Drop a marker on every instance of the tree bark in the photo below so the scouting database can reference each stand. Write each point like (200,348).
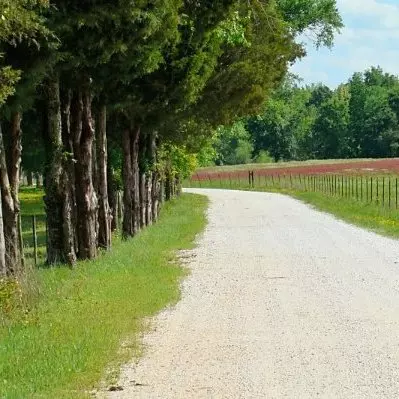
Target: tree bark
(155,194)
(148,196)
(151,185)
(3,268)
(136,173)
(177,186)
(29,177)
(169,181)
(128,182)
(112,198)
(9,179)
(143,166)
(142,193)
(59,199)
(86,198)
(131,197)
(104,211)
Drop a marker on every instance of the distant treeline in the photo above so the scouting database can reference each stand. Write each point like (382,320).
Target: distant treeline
(359,119)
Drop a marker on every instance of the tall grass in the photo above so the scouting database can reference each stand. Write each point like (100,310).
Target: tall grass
(87,319)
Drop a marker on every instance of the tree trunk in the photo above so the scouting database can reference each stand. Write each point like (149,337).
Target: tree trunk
(155,194)
(128,182)
(162,195)
(136,175)
(3,268)
(150,186)
(29,177)
(142,192)
(143,166)
(86,198)
(169,182)
(148,204)
(131,198)
(59,199)
(178,186)
(37,179)
(9,179)
(112,198)
(104,211)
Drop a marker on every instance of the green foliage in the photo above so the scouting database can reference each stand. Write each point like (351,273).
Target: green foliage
(233,145)
(357,119)
(8,79)
(284,126)
(320,18)
(264,157)
(21,26)
(207,154)
(176,161)
(330,130)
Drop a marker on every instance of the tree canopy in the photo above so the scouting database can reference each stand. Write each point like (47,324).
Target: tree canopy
(124,93)
(357,119)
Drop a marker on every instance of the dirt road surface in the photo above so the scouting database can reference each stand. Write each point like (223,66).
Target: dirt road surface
(282,302)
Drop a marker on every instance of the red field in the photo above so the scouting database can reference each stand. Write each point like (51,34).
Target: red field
(383,166)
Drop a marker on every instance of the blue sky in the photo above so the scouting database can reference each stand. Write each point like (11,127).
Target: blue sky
(370,38)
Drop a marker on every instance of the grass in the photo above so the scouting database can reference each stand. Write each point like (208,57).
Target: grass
(31,201)
(61,347)
(374,215)
(379,219)
(32,205)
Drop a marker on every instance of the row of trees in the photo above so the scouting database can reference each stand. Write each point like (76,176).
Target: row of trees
(359,119)
(101,86)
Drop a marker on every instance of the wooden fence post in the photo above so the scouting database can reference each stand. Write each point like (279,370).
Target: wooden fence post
(396,192)
(378,191)
(383,191)
(343,186)
(361,188)
(371,190)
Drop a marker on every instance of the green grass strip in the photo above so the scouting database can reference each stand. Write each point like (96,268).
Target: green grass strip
(374,217)
(90,319)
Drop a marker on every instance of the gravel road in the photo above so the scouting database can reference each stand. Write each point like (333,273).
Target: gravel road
(282,302)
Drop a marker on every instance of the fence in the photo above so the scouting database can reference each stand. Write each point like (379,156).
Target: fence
(380,190)
(33,233)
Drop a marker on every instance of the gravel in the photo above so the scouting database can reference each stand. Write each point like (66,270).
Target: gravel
(282,302)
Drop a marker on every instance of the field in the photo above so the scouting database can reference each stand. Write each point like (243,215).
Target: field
(355,166)
(364,192)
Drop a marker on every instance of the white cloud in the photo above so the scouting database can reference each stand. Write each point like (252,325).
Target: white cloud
(370,38)
(382,13)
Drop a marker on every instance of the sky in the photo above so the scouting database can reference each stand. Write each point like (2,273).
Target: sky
(370,38)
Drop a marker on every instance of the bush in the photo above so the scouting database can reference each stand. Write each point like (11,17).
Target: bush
(264,157)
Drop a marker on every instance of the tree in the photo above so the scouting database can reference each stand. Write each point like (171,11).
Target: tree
(330,130)
(233,145)
(320,19)
(92,64)
(21,30)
